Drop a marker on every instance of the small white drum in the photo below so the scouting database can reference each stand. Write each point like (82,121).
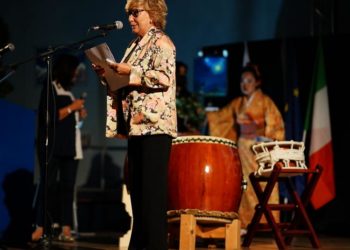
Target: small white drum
(289,153)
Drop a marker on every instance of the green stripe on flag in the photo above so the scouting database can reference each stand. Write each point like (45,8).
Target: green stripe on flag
(318,82)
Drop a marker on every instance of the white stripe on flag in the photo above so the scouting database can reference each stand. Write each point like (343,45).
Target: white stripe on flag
(321,127)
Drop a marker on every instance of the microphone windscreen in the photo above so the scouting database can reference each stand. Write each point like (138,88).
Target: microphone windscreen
(118,25)
(11,46)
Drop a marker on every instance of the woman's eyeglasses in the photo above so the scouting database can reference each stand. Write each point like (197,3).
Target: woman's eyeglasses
(246,80)
(134,12)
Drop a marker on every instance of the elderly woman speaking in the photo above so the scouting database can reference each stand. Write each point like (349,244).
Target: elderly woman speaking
(145,112)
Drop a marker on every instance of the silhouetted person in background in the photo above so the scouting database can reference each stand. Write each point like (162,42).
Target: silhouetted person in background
(190,112)
(64,149)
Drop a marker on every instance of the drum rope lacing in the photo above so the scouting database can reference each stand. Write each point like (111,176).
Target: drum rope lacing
(208,139)
(289,153)
(203,215)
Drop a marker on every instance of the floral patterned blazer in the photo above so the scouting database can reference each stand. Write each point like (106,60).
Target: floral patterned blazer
(147,106)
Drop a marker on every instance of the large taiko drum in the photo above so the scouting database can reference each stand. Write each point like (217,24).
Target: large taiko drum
(205,173)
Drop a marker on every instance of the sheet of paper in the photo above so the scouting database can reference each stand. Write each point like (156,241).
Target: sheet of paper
(98,55)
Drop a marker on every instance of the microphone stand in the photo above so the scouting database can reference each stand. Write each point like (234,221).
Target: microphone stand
(8,74)
(45,242)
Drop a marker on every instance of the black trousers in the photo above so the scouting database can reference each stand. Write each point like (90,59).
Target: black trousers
(61,178)
(148,158)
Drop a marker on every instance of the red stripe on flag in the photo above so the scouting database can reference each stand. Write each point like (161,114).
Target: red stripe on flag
(325,188)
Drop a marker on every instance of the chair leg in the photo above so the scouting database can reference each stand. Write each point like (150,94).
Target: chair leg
(301,217)
(187,232)
(233,236)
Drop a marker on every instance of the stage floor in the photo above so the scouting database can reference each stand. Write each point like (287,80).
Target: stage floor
(94,242)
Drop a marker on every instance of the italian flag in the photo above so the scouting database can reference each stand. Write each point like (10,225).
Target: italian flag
(321,152)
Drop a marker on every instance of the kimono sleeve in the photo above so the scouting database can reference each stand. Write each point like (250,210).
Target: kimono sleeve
(221,123)
(274,122)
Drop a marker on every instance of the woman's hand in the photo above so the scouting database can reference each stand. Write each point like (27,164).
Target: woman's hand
(78,104)
(120,68)
(98,69)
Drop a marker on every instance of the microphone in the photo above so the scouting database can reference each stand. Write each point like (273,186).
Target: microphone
(81,122)
(116,25)
(8,47)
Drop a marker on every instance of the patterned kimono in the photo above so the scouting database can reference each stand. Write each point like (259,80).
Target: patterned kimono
(247,121)
(148,105)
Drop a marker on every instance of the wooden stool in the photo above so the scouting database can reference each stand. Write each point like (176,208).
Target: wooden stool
(300,223)
(189,224)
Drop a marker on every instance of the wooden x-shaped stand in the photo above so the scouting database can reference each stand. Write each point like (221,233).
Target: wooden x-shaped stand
(300,223)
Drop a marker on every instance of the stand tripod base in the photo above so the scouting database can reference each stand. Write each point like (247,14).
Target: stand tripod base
(44,243)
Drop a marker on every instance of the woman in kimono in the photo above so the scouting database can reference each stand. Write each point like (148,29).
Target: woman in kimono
(248,119)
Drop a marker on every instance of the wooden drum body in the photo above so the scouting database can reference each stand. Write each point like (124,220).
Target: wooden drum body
(205,173)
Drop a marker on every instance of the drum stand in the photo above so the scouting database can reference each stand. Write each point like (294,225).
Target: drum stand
(189,225)
(300,223)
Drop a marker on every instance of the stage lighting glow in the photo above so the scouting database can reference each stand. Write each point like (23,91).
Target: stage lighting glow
(210,76)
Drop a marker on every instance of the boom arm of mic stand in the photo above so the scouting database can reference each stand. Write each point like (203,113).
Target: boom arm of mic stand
(10,73)
(83,42)
(50,51)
